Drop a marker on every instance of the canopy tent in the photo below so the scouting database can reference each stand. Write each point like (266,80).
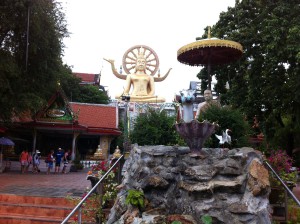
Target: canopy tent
(4,141)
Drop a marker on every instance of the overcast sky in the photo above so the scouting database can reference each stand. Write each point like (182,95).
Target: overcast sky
(107,29)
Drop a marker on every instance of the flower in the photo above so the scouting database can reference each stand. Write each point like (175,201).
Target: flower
(282,164)
(92,208)
(103,165)
(110,182)
(97,170)
(280,161)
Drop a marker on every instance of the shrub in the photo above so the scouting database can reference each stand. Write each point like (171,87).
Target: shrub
(227,118)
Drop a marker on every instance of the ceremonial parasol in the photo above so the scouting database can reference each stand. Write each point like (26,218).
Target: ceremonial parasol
(210,51)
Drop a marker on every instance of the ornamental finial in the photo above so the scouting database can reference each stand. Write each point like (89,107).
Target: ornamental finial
(208,32)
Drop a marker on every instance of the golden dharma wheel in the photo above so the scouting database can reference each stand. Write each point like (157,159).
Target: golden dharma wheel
(130,57)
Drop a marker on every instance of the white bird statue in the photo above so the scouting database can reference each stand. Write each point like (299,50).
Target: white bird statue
(225,137)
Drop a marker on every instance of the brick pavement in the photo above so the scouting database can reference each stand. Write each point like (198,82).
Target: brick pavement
(41,184)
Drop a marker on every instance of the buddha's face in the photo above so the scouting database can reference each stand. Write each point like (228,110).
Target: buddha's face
(208,95)
(140,64)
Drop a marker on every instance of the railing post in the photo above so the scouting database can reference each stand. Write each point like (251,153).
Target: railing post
(286,205)
(79,215)
(101,201)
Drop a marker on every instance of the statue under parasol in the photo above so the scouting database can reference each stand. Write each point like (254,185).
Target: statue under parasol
(210,51)
(207,52)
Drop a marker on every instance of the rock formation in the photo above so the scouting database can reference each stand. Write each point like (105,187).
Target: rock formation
(231,186)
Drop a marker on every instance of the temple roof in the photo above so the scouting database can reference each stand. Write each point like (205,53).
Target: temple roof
(88,77)
(96,116)
(60,114)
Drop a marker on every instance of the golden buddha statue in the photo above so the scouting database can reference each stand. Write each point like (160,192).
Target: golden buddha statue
(117,153)
(142,83)
(98,154)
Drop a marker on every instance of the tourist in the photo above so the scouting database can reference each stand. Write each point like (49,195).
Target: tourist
(50,159)
(58,157)
(66,159)
(24,161)
(36,161)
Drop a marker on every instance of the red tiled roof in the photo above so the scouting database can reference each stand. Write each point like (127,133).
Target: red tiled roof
(85,77)
(96,115)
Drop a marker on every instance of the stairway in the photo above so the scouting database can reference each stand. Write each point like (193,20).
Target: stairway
(16,209)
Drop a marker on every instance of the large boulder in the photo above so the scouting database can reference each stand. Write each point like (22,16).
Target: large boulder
(231,186)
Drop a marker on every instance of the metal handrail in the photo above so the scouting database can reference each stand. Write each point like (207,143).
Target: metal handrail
(282,182)
(78,206)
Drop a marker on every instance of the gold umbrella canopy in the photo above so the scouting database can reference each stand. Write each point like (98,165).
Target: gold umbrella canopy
(211,51)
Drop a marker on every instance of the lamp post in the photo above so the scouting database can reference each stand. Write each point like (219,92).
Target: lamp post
(126,144)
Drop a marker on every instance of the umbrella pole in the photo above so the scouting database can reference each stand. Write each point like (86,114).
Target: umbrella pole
(209,69)
(209,77)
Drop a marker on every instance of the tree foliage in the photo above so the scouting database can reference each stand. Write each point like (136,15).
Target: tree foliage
(265,81)
(31,49)
(154,128)
(29,71)
(228,118)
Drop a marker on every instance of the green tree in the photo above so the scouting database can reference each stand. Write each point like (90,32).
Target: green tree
(154,128)
(228,118)
(29,70)
(31,58)
(265,81)
(91,94)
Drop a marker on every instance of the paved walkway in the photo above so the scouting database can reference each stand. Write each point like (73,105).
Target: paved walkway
(41,184)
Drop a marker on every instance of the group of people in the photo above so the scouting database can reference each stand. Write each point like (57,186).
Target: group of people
(53,159)
(27,159)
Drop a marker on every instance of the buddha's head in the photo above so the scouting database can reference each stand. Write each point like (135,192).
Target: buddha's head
(141,61)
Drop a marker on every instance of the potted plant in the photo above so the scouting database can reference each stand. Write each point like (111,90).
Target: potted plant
(76,164)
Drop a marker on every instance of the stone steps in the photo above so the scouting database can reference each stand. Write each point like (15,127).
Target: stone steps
(33,210)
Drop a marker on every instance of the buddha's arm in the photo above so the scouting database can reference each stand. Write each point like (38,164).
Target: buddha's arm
(159,79)
(112,63)
(127,85)
(151,87)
